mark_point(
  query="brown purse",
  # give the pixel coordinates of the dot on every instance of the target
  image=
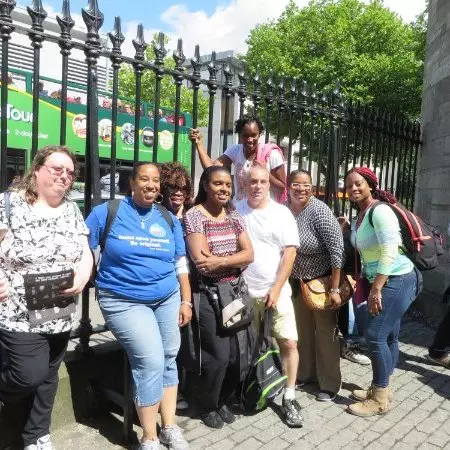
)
(315, 292)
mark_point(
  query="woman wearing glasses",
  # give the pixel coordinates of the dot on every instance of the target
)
(321, 252)
(176, 189)
(41, 233)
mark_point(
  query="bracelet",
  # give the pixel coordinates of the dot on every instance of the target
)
(336, 290)
(184, 302)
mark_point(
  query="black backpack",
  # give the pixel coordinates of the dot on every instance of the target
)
(265, 379)
(422, 242)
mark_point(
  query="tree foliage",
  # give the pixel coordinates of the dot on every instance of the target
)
(377, 58)
(127, 88)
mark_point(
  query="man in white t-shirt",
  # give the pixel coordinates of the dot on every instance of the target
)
(273, 232)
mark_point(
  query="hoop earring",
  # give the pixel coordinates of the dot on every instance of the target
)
(161, 198)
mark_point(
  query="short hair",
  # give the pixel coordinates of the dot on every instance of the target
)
(257, 167)
(246, 120)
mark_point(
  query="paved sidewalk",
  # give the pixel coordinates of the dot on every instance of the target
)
(420, 417)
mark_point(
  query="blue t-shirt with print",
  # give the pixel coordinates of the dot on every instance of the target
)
(137, 262)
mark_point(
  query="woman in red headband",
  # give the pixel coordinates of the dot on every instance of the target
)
(391, 280)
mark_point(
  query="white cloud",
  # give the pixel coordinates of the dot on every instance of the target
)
(228, 26)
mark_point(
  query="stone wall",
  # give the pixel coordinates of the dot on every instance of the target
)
(433, 188)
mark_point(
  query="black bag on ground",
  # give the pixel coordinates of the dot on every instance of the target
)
(265, 379)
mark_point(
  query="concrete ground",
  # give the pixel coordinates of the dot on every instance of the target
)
(419, 419)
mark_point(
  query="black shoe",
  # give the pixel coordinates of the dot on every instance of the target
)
(212, 420)
(226, 415)
(292, 413)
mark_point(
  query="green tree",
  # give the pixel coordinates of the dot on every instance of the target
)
(127, 87)
(377, 58)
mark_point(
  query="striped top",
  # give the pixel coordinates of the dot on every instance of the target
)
(222, 237)
(379, 246)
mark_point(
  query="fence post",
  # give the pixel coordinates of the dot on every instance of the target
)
(212, 89)
(293, 106)
(38, 15)
(227, 92)
(117, 39)
(179, 59)
(256, 95)
(303, 113)
(196, 83)
(312, 119)
(66, 23)
(6, 8)
(160, 54)
(269, 103)
(281, 106)
(242, 91)
(139, 45)
(93, 18)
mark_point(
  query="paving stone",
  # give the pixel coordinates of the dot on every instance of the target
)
(418, 419)
(415, 437)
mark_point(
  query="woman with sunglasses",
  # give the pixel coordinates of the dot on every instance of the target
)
(176, 188)
(41, 233)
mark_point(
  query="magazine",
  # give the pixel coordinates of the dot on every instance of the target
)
(43, 296)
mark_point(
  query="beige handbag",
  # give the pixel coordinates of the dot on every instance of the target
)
(315, 292)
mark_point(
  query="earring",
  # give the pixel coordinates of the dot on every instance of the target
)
(160, 198)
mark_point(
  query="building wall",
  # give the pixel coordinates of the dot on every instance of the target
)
(433, 188)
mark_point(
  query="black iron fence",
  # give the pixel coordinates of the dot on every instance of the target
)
(323, 133)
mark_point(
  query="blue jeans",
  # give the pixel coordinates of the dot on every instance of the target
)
(382, 331)
(357, 316)
(150, 335)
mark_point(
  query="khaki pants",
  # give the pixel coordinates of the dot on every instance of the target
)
(318, 346)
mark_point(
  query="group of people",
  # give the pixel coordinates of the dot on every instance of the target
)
(169, 261)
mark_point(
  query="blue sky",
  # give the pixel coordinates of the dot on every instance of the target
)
(146, 11)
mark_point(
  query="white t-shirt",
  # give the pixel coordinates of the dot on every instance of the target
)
(242, 165)
(270, 229)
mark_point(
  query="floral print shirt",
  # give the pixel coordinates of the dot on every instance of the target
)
(37, 241)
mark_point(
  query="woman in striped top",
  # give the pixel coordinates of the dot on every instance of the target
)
(220, 248)
(392, 284)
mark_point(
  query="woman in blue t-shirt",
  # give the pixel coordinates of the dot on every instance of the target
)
(144, 295)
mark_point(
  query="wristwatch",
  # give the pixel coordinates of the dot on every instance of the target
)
(336, 290)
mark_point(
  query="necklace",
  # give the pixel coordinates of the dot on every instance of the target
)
(142, 219)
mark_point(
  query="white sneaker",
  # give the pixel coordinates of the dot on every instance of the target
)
(150, 445)
(351, 354)
(172, 435)
(43, 443)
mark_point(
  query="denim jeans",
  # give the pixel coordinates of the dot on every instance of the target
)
(383, 330)
(150, 335)
(357, 317)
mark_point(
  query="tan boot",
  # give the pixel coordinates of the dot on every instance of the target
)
(361, 394)
(377, 403)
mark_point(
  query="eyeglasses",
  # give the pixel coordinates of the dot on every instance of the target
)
(59, 170)
(174, 188)
(301, 185)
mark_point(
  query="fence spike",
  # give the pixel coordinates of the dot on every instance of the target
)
(212, 68)
(6, 8)
(228, 73)
(178, 56)
(195, 61)
(304, 94)
(38, 14)
(116, 37)
(159, 47)
(93, 18)
(139, 43)
(65, 21)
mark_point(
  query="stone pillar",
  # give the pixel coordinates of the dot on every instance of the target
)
(433, 189)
